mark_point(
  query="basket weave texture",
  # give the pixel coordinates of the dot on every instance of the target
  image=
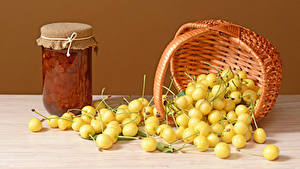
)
(223, 45)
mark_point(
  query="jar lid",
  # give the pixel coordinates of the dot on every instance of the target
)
(64, 35)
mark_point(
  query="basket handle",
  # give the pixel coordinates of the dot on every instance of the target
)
(228, 28)
(164, 63)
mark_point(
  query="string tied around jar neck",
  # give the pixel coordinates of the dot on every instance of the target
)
(68, 40)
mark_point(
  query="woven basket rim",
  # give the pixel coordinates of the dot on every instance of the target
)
(189, 31)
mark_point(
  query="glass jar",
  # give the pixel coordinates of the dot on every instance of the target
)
(67, 81)
(67, 50)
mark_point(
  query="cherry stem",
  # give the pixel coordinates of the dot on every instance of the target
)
(191, 149)
(252, 113)
(102, 125)
(144, 86)
(92, 137)
(81, 112)
(167, 121)
(144, 116)
(33, 110)
(188, 75)
(107, 104)
(130, 121)
(211, 65)
(172, 114)
(218, 94)
(174, 121)
(249, 153)
(169, 90)
(129, 137)
(102, 91)
(184, 138)
(150, 101)
(127, 112)
(183, 111)
(125, 100)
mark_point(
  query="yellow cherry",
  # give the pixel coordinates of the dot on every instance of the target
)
(227, 74)
(168, 135)
(219, 104)
(249, 83)
(104, 141)
(144, 101)
(217, 128)
(179, 132)
(112, 132)
(245, 118)
(236, 97)
(181, 102)
(203, 128)
(86, 131)
(136, 117)
(248, 136)
(222, 150)
(218, 90)
(98, 105)
(195, 113)
(64, 124)
(97, 125)
(259, 136)
(231, 116)
(211, 79)
(108, 116)
(271, 152)
(77, 123)
(240, 128)
(234, 84)
(130, 129)
(188, 135)
(202, 143)
(150, 128)
(149, 144)
(201, 77)
(193, 122)
(229, 105)
(35, 125)
(228, 133)
(205, 107)
(135, 106)
(86, 119)
(182, 120)
(88, 110)
(190, 89)
(242, 74)
(214, 116)
(239, 141)
(121, 114)
(213, 140)
(153, 120)
(161, 128)
(241, 109)
(199, 93)
(249, 96)
(52, 121)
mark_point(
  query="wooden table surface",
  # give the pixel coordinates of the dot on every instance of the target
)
(52, 148)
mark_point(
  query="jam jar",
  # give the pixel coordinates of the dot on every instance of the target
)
(66, 66)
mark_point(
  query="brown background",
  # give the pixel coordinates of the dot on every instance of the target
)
(132, 35)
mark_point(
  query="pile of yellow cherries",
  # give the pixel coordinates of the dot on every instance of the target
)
(215, 110)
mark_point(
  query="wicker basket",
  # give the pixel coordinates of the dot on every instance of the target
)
(222, 44)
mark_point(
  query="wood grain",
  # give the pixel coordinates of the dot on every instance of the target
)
(52, 148)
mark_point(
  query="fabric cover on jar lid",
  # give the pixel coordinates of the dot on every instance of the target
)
(67, 35)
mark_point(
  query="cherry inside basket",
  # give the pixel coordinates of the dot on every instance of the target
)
(221, 44)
